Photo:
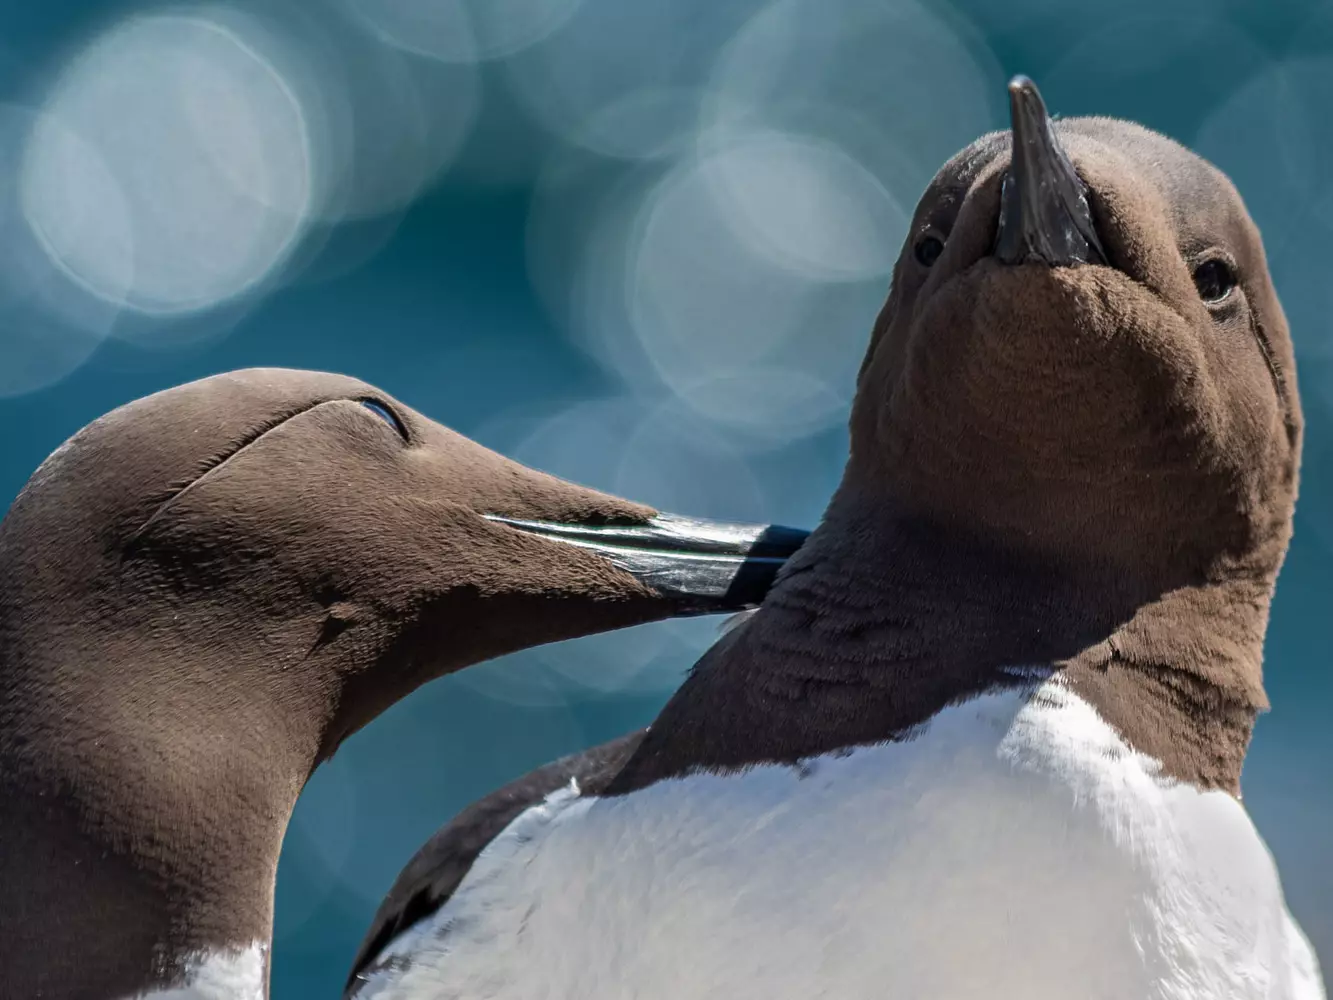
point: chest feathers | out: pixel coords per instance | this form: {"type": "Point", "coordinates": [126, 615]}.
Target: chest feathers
{"type": "Point", "coordinates": [1015, 847]}
{"type": "Point", "coordinates": [224, 975]}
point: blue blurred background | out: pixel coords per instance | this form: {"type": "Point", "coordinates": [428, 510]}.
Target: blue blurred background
{"type": "Point", "coordinates": [637, 243]}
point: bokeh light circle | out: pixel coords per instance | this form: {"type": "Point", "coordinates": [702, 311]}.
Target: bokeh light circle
{"type": "Point", "coordinates": [806, 205]}
{"type": "Point", "coordinates": [203, 158]}
{"type": "Point", "coordinates": [627, 79]}
{"type": "Point", "coordinates": [49, 327]}
{"type": "Point", "coordinates": [899, 87]}
{"type": "Point", "coordinates": [462, 31]}
{"type": "Point", "coordinates": [714, 298]}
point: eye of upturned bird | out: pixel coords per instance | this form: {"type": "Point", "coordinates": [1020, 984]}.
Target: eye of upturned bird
{"type": "Point", "coordinates": [1215, 279]}
{"type": "Point", "coordinates": [928, 249]}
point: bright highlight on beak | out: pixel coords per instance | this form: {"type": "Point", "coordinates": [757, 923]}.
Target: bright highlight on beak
{"type": "Point", "coordinates": [711, 567]}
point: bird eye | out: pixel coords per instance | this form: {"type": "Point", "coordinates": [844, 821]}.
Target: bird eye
{"type": "Point", "coordinates": [387, 415]}
{"type": "Point", "coordinates": [1214, 279]}
{"type": "Point", "coordinates": [928, 250]}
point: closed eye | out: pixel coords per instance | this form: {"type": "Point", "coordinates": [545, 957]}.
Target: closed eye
{"type": "Point", "coordinates": [387, 415]}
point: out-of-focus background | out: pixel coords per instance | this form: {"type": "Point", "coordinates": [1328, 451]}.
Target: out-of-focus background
{"type": "Point", "coordinates": [637, 243]}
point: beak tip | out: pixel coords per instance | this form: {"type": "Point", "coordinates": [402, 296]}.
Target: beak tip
{"type": "Point", "coordinates": [1021, 85]}
{"type": "Point", "coordinates": [1027, 110]}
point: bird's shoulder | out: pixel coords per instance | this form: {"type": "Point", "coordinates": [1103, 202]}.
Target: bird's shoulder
{"type": "Point", "coordinates": [437, 869]}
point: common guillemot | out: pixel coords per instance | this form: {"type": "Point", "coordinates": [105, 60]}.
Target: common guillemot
{"type": "Point", "coordinates": [204, 592]}
{"type": "Point", "coordinates": [984, 737]}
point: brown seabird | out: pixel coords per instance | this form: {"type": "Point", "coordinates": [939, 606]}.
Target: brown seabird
{"type": "Point", "coordinates": [984, 737]}
{"type": "Point", "coordinates": [204, 592]}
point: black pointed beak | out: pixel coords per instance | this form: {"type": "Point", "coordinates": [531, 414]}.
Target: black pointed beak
{"type": "Point", "coordinates": [1044, 212]}
{"type": "Point", "coordinates": [709, 567]}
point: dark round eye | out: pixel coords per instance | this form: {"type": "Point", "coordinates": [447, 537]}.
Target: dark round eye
{"type": "Point", "coordinates": [387, 415]}
{"type": "Point", "coordinates": [1214, 279]}
{"type": "Point", "coordinates": [928, 250]}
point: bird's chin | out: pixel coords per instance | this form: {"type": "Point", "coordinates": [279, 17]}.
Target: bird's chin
{"type": "Point", "coordinates": [1031, 391]}
{"type": "Point", "coordinates": [1096, 329]}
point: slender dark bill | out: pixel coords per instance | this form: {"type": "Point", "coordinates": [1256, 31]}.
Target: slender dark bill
{"type": "Point", "coordinates": [1044, 213]}
{"type": "Point", "coordinates": [709, 566]}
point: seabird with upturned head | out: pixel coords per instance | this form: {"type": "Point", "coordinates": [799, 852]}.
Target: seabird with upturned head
{"type": "Point", "coordinates": [204, 592]}
{"type": "Point", "coordinates": [984, 737]}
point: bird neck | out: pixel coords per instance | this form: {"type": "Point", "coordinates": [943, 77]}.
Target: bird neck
{"type": "Point", "coordinates": [139, 855]}
{"type": "Point", "coordinates": [877, 624]}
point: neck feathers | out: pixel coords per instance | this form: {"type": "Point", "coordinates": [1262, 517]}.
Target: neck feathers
{"type": "Point", "coordinates": [142, 858]}
{"type": "Point", "coordinates": [869, 633]}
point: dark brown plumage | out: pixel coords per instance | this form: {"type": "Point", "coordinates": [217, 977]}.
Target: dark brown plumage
{"type": "Point", "coordinates": [1067, 449]}
{"type": "Point", "coordinates": [1085, 465]}
{"type": "Point", "coordinates": [201, 595]}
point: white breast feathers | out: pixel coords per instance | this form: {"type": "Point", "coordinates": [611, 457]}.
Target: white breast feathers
{"type": "Point", "coordinates": [1014, 849]}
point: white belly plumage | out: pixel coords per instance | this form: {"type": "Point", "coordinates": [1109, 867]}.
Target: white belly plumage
{"type": "Point", "coordinates": [1014, 848]}
{"type": "Point", "coordinates": [224, 975]}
